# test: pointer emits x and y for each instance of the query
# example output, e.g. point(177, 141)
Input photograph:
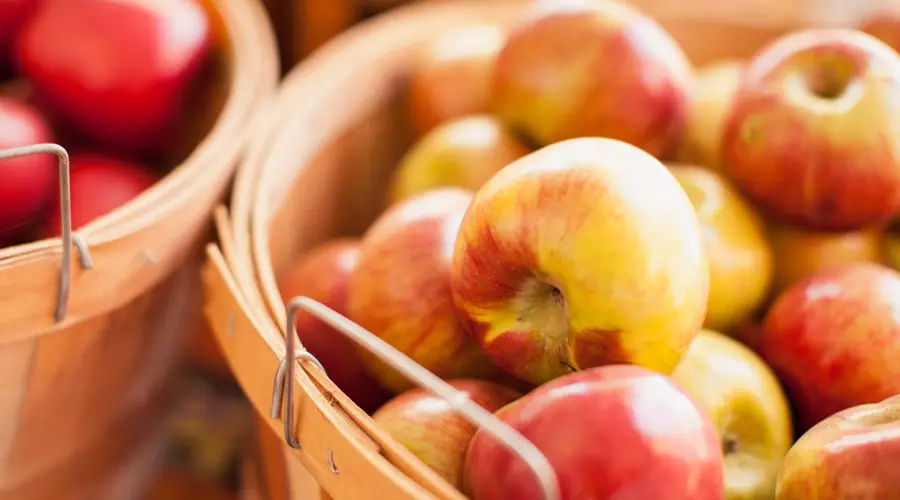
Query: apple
point(716, 86)
point(800, 253)
point(400, 290)
point(461, 153)
point(883, 25)
point(28, 183)
point(890, 245)
point(584, 253)
point(852, 454)
point(740, 261)
point(98, 184)
point(834, 340)
point(583, 68)
point(612, 432)
point(747, 407)
point(452, 76)
point(116, 70)
point(433, 431)
point(323, 274)
point(13, 14)
point(810, 134)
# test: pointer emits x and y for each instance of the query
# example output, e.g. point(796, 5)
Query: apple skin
point(884, 25)
point(124, 70)
point(716, 86)
point(462, 153)
point(98, 184)
point(800, 253)
point(323, 274)
point(834, 339)
point(584, 68)
point(28, 183)
point(453, 75)
point(429, 427)
point(584, 253)
point(852, 454)
point(740, 260)
point(13, 14)
point(747, 407)
point(613, 432)
point(809, 159)
point(400, 290)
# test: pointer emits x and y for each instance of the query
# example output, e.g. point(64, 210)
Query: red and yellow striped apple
point(433, 431)
point(583, 68)
point(323, 274)
point(462, 153)
point(854, 454)
point(834, 340)
point(584, 253)
point(614, 432)
point(811, 134)
point(400, 290)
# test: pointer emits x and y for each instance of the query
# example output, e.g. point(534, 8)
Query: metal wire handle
point(65, 207)
point(514, 441)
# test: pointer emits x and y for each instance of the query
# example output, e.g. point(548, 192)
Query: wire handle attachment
point(283, 388)
point(69, 238)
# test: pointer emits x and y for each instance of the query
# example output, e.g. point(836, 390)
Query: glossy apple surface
point(400, 290)
point(583, 68)
point(28, 183)
point(740, 260)
point(747, 407)
point(834, 340)
point(116, 70)
point(452, 76)
point(462, 153)
point(800, 253)
point(810, 136)
point(584, 253)
point(852, 454)
point(323, 274)
point(716, 86)
point(99, 184)
point(612, 432)
point(432, 430)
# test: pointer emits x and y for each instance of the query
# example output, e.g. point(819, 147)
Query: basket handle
point(283, 392)
point(69, 238)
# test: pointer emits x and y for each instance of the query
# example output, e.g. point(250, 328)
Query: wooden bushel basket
point(76, 379)
point(319, 170)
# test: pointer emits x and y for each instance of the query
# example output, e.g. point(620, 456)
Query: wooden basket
point(319, 170)
point(64, 383)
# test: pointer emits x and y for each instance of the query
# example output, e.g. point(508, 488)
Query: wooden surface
point(64, 387)
point(319, 171)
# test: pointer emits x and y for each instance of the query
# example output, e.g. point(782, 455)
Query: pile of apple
point(107, 80)
point(658, 274)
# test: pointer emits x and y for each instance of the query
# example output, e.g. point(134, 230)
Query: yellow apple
point(799, 253)
point(714, 92)
point(747, 407)
point(740, 261)
point(462, 153)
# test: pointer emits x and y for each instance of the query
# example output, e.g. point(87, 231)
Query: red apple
point(615, 432)
point(834, 339)
point(27, 183)
point(810, 136)
point(433, 431)
point(117, 70)
point(400, 290)
point(854, 454)
point(584, 253)
point(884, 25)
point(323, 274)
point(452, 76)
point(99, 184)
point(13, 14)
point(582, 68)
